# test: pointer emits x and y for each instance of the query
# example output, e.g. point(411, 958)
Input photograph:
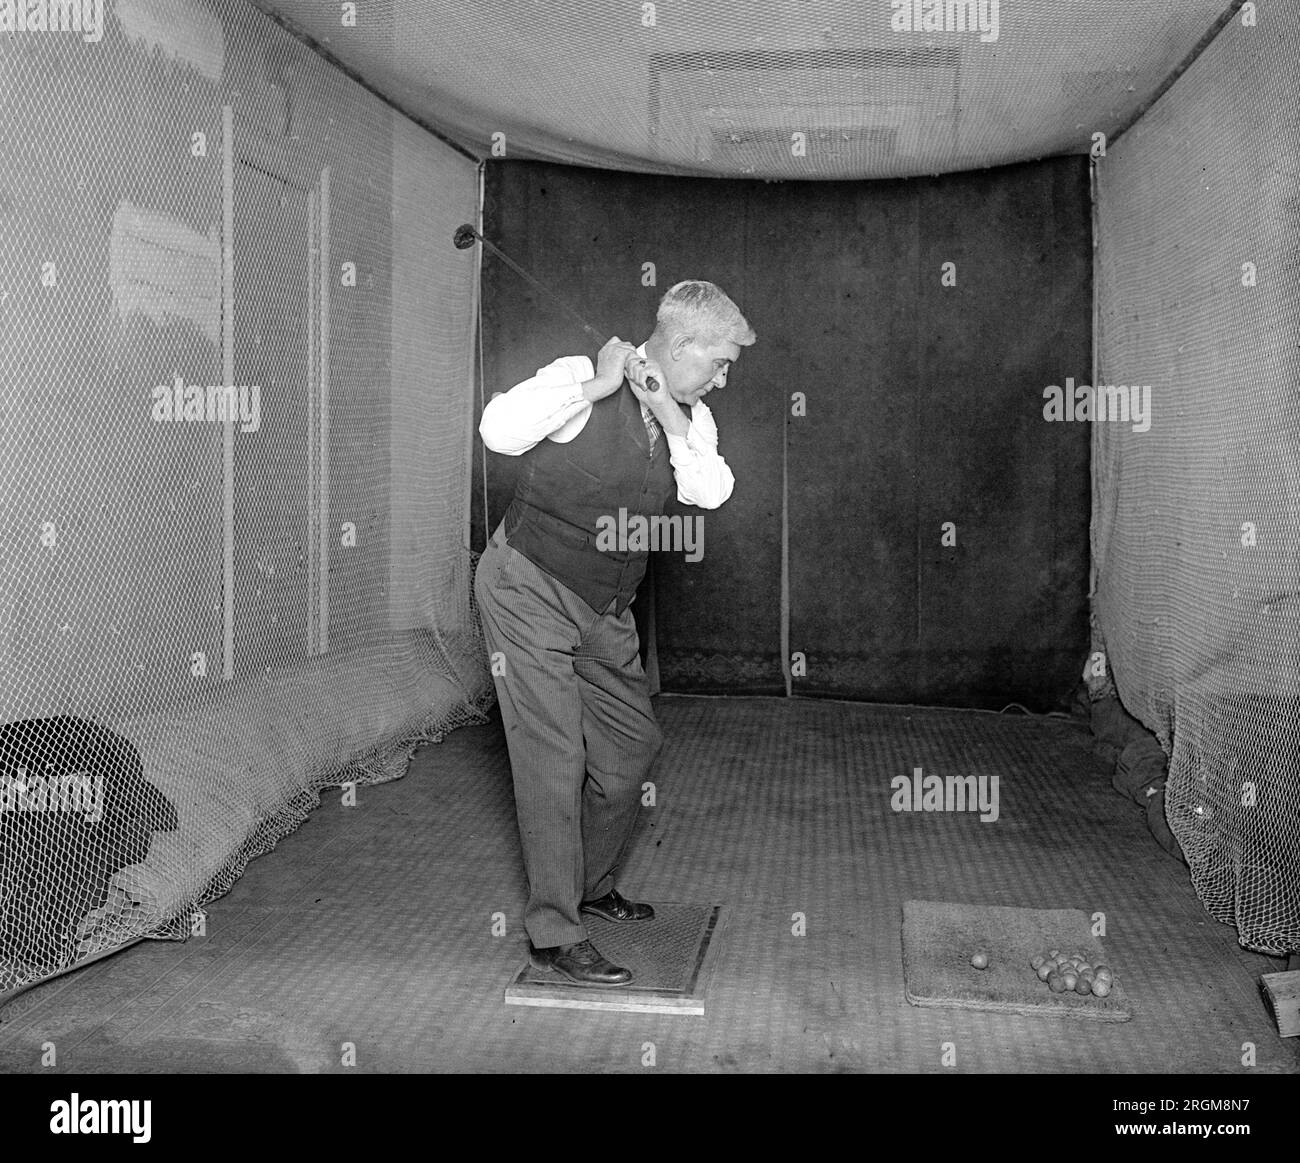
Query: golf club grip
point(651, 382)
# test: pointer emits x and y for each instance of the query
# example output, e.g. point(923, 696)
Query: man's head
point(698, 335)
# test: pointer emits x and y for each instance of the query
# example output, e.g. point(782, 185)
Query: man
point(574, 699)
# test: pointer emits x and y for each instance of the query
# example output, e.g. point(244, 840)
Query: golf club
point(466, 236)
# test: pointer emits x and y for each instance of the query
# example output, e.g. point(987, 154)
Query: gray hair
point(705, 311)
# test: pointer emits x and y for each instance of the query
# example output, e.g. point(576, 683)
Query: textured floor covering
point(670, 957)
point(374, 925)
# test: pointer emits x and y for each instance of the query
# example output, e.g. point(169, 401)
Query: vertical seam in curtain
point(478, 337)
point(785, 547)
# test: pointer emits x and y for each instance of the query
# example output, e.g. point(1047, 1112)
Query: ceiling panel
point(765, 88)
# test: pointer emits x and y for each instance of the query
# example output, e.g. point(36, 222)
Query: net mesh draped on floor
point(1197, 517)
point(210, 613)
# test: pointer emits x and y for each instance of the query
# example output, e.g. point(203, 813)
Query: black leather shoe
point(581, 963)
point(613, 907)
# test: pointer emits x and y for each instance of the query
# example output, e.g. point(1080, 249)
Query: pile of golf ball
point(1066, 972)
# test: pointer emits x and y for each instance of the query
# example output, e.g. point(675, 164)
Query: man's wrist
point(594, 389)
point(670, 416)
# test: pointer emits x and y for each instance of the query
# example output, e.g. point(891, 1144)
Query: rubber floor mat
point(668, 957)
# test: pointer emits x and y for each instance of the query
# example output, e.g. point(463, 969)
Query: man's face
point(695, 369)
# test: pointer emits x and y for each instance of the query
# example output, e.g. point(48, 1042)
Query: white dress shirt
point(551, 406)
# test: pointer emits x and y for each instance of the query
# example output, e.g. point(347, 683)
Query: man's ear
point(681, 341)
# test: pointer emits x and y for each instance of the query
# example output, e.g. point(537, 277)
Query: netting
point(1197, 519)
point(872, 88)
point(236, 406)
point(235, 367)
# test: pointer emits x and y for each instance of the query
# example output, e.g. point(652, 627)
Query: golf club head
point(465, 237)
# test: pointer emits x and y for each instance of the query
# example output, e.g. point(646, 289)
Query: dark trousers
point(579, 727)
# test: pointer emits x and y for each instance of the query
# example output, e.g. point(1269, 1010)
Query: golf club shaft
point(523, 274)
point(651, 383)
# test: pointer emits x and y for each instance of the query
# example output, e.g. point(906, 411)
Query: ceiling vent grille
point(743, 108)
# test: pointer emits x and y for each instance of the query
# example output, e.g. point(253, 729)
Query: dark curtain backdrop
point(923, 406)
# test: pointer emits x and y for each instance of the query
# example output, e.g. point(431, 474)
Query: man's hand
point(659, 402)
point(611, 366)
point(638, 370)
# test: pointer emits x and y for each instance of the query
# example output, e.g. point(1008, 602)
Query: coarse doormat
point(939, 940)
point(669, 956)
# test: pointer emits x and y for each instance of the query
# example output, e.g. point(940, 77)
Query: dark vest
point(564, 490)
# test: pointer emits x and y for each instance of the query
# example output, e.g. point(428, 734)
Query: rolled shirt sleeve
point(551, 404)
point(703, 477)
